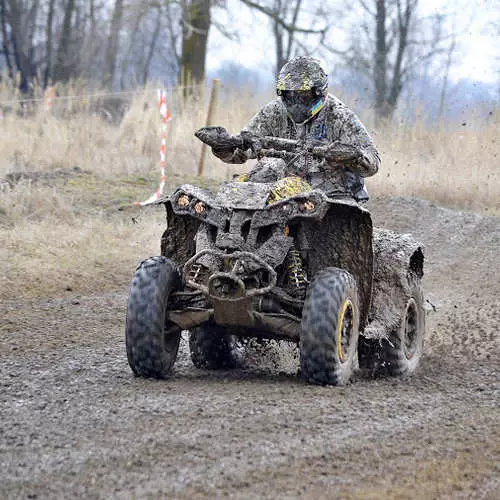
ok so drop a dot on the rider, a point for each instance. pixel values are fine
(305, 110)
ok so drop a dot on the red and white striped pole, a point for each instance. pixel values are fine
(50, 95)
(165, 117)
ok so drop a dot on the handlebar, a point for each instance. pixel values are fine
(275, 147)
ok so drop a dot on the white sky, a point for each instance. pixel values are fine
(477, 47)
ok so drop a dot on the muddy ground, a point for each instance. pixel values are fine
(75, 422)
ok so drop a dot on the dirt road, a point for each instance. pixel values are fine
(76, 422)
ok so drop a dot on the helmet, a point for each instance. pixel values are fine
(302, 85)
(303, 73)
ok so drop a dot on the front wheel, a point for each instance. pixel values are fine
(330, 328)
(152, 341)
(399, 354)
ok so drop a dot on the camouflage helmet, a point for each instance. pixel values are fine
(302, 73)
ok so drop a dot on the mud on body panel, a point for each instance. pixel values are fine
(397, 257)
(343, 239)
(178, 240)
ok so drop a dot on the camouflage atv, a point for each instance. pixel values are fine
(277, 260)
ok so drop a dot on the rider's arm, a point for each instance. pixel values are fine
(354, 133)
(267, 121)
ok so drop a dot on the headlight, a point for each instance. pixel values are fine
(183, 201)
(307, 206)
(200, 207)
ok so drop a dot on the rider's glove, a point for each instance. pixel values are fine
(339, 153)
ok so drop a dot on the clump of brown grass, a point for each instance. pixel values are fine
(453, 165)
(87, 138)
(52, 257)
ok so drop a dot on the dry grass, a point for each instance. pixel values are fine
(452, 165)
(68, 180)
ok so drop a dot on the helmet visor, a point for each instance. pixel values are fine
(299, 103)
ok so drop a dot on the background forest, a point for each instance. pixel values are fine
(380, 51)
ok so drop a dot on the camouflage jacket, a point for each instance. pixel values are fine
(334, 123)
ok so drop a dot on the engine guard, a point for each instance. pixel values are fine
(227, 283)
(230, 296)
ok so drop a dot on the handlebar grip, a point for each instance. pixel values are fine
(273, 153)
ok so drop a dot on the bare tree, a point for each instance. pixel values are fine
(285, 17)
(112, 47)
(446, 75)
(18, 38)
(5, 39)
(152, 46)
(195, 21)
(64, 58)
(57, 40)
(391, 41)
(48, 43)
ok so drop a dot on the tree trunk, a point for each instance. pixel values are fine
(112, 51)
(21, 53)
(31, 29)
(404, 20)
(444, 88)
(48, 44)
(5, 44)
(152, 46)
(64, 66)
(196, 20)
(126, 60)
(380, 69)
(291, 36)
(278, 40)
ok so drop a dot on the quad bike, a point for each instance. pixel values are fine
(277, 260)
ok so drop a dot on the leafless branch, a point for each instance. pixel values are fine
(278, 19)
(367, 8)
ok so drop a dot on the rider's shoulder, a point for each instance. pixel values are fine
(334, 103)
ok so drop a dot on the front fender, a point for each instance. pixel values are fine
(178, 241)
(343, 239)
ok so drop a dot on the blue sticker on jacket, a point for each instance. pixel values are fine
(319, 131)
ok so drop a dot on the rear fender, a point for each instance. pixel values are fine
(397, 256)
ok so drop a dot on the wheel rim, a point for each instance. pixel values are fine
(345, 331)
(410, 333)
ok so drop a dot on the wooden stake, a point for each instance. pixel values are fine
(214, 93)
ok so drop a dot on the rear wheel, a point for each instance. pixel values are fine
(330, 328)
(212, 350)
(399, 354)
(152, 341)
